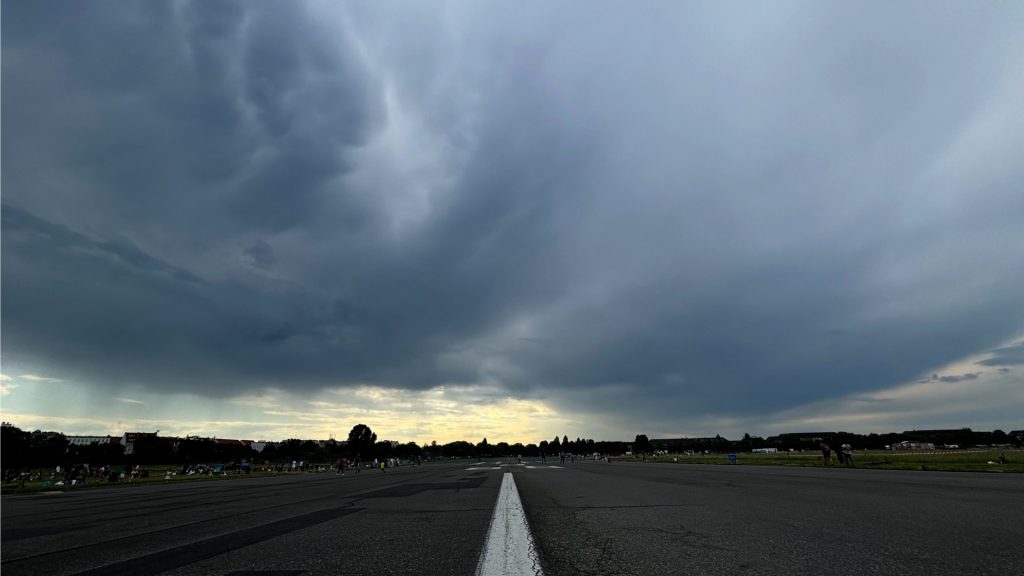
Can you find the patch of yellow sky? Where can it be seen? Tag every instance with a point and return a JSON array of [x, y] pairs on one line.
[[442, 414]]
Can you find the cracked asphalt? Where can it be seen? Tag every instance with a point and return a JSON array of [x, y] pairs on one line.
[[586, 518], [652, 519], [430, 519]]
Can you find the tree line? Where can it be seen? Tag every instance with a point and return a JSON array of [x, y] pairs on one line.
[[22, 449]]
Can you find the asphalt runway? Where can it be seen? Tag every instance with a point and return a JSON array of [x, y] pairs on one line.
[[585, 517]]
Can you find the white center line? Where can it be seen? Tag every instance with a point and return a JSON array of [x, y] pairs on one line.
[[509, 548]]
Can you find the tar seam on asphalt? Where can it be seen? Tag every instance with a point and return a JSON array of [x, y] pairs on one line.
[[177, 557]]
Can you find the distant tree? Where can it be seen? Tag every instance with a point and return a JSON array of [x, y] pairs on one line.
[[312, 452], [290, 449], [459, 449], [383, 449], [747, 443], [196, 451], [750, 442], [531, 450], [47, 449], [565, 443], [14, 445], [641, 445], [361, 440], [152, 450], [269, 453], [408, 450], [555, 446], [333, 450]]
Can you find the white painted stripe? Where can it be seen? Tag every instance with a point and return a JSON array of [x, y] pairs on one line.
[[509, 548]]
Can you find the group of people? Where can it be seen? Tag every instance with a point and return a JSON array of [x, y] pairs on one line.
[[562, 457], [844, 454], [356, 465]]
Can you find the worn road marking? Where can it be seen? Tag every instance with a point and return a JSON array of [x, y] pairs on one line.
[[509, 549], [535, 467]]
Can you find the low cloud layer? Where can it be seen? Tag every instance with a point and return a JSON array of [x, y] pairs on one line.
[[685, 212]]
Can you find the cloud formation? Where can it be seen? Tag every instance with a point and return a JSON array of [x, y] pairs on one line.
[[1012, 355], [36, 378], [642, 215]]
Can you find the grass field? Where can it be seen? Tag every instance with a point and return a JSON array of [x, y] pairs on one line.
[[156, 477], [976, 460], [979, 460]]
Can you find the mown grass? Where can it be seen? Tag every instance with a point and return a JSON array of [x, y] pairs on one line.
[[980, 460]]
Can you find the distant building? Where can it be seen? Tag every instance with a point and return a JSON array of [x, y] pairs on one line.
[[912, 445], [228, 442], [88, 440], [129, 439], [937, 434]]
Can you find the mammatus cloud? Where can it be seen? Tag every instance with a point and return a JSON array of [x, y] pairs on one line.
[[652, 217]]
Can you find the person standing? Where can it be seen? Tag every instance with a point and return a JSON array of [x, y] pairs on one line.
[[847, 454]]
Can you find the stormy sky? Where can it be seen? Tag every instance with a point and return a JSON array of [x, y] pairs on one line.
[[591, 219]]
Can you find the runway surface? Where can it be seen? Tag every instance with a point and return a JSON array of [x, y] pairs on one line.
[[585, 517]]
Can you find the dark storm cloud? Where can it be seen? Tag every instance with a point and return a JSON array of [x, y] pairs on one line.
[[260, 254], [667, 212]]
